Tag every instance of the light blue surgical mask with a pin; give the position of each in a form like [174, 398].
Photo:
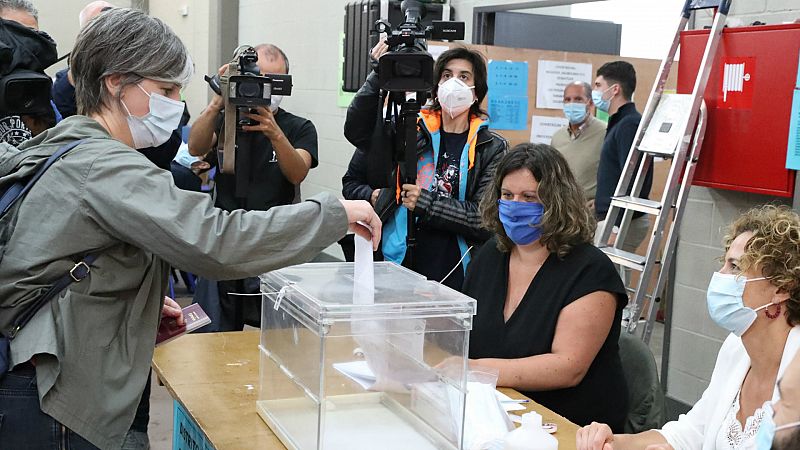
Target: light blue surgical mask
[155, 127]
[725, 304]
[767, 429]
[575, 112]
[184, 158]
[521, 220]
[601, 103]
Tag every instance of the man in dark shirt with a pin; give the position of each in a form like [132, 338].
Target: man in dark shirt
[613, 91]
[283, 148]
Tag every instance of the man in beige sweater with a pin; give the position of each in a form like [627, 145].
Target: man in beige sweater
[580, 141]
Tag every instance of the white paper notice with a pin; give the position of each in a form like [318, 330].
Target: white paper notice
[364, 273]
[544, 127]
[554, 76]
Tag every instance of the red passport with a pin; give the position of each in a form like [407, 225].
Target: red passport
[195, 318]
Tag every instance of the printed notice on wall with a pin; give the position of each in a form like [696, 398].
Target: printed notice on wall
[508, 95]
[544, 127]
[554, 76]
[793, 150]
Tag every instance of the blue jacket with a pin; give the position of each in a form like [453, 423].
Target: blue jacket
[64, 94]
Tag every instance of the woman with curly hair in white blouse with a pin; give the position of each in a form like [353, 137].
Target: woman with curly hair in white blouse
[755, 296]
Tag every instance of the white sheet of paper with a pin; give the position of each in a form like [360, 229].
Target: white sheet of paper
[357, 371]
[364, 273]
[544, 127]
[509, 404]
[554, 76]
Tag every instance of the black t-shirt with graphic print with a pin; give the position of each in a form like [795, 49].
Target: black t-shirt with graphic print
[13, 130]
[268, 186]
[437, 249]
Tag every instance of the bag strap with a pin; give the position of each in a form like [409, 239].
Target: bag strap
[19, 189]
[78, 272]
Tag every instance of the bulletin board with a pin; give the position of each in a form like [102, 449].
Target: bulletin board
[646, 71]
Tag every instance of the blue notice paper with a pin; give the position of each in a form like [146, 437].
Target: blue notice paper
[793, 149]
[508, 95]
[186, 434]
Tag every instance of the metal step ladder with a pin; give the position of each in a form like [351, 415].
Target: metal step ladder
[672, 127]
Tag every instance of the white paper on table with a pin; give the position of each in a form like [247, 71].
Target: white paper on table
[364, 273]
[509, 404]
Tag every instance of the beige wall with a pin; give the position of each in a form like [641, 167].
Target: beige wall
[59, 18]
[191, 21]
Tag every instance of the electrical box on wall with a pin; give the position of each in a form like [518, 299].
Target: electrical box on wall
[749, 100]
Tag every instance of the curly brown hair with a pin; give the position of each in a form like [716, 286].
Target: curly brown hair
[566, 222]
[774, 249]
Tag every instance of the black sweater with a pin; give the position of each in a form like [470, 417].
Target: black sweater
[621, 131]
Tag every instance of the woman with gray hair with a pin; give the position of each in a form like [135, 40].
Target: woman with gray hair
[79, 366]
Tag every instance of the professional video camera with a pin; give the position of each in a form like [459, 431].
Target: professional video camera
[247, 87]
[250, 88]
[405, 75]
[24, 55]
[408, 67]
[243, 88]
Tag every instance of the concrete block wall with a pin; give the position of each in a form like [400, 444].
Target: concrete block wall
[745, 12]
[309, 33]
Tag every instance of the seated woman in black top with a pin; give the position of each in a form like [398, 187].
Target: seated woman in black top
[549, 302]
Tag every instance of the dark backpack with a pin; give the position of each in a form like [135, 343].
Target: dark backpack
[24, 312]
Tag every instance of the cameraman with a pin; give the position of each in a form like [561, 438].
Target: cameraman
[16, 129]
[284, 149]
[457, 155]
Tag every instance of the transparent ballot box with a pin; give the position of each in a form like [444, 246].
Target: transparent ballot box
[343, 370]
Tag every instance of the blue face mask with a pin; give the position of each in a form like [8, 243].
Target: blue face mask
[601, 103]
[575, 112]
[725, 305]
[767, 429]
[521, 220]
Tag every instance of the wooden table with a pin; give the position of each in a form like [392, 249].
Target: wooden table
[214, 381]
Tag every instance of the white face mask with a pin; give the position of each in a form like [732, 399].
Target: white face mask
[274, 103]
[455, 96]
[155, 127]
